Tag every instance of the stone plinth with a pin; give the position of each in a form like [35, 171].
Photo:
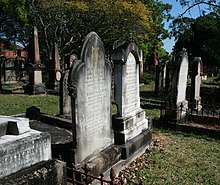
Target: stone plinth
[36, 85]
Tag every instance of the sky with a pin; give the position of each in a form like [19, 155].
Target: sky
[177, 10]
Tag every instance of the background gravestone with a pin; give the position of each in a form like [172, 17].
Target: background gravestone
[178, 87]
[196, 83]
[65, 99]
[90, 90]
[55, 71]
[35, 85]
[178, 104]
[130, 125]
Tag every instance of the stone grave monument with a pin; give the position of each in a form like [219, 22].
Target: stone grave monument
[65, 99]
[167, 77]
[159, 79]
[178, 102]
[55, 72]
[35, 85]
[20, 146]
[131, 128]
[90, 90]
[196, 83]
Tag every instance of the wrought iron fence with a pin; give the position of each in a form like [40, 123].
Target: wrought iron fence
[207, 114]
[83, 177]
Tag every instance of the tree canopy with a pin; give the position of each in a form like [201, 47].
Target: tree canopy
[202, 38]
[67, 22]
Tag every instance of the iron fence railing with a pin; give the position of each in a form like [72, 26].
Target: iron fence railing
[82, 176]
[207, 114]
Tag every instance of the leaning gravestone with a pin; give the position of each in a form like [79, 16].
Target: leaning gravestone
[196, 83]
[90, 90]
[131, 128]
[178, 103]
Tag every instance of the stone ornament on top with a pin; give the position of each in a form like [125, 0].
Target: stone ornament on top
[90, 90]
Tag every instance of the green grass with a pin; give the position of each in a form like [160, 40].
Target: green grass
[177, 158]
[18, 103]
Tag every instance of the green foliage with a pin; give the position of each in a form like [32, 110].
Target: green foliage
[201, 38]
[68, 22]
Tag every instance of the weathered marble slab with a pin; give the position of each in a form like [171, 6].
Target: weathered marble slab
[21, 151]
[90, 88]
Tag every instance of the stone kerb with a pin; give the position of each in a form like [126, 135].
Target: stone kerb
[90, 90]
[178, 86]
[129, 122]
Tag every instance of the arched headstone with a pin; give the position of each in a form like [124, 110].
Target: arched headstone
[90, 90]
[131, 128]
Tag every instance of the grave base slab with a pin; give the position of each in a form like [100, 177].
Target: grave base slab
[21, 151]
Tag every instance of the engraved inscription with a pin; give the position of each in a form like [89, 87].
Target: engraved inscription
[131, 90]
[26, 155]
[95, 98]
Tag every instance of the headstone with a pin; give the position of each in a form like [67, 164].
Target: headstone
[20, 146]
[159, 80]
[129, 124]
[179, 104]
[9, 71]
[167, 77]
[35, 85]
[196, 83]
[69, 60]
[65, 99]
[141, 70]
[90, 90]
[55, 72]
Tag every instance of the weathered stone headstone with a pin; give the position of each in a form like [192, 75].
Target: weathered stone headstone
[141, 70]
[55, 72]
[9, 71]
[167, 77]
[131, 128]
[179, 104]
[65, 99]
[195, 83]
[90, 90]
[35, 85]
[20, 146]
[159, 79]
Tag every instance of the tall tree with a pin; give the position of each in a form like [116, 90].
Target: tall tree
[202, 38]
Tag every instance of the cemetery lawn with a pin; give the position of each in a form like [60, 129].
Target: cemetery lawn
[177, 158]
[12, 104]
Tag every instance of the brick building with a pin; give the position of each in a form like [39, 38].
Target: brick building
[17, 51]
